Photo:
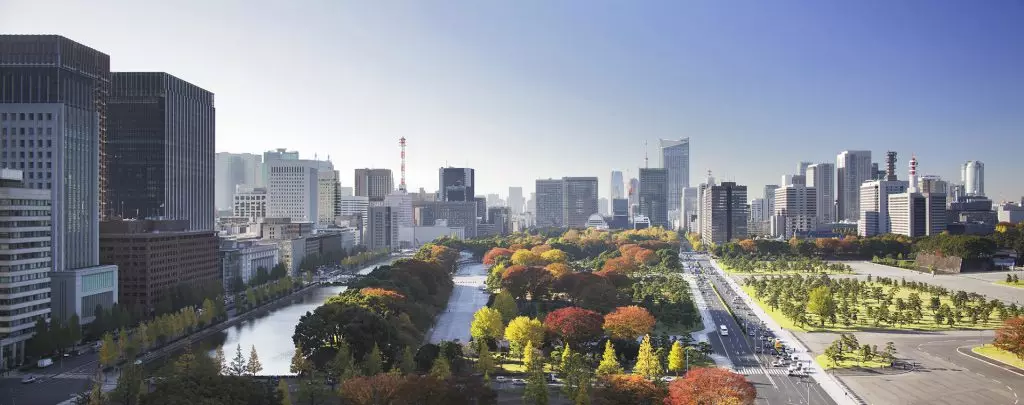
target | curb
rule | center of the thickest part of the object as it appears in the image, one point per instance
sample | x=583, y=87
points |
x=705, y=317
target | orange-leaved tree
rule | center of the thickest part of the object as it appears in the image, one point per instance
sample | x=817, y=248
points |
x=558, y=270
x=623, y=389
x=574, y=325
x=1011, y=336
x=628, y=323
x=710, y=385
x=492, y=255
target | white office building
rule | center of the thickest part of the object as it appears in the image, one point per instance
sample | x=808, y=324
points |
x=232, y=170
x=328, y=196
x=822, y=176
x=250, y=203
x=853, y=168
x=381, y=230
x=401, y=203
x=972, y=173
x=796, y=210
x=293, y=189
x=874, y=206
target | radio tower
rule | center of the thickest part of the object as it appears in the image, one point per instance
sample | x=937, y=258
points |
x=401, y=142
x=646, y=166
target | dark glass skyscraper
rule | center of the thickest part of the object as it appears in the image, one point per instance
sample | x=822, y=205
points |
x=653, y=196
x=161, y=147
x=456, y=184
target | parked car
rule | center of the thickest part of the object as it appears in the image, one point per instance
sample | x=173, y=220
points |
x=42, y=363
x=500, y=378
x=29, y=379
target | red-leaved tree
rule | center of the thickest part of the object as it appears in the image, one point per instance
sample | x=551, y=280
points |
x=624, y=265
x=492, y=255
x=706, y=385
x=628, y=390
x=574, y=325
x=1011, y=336
x=521, y=281
x=628, y=323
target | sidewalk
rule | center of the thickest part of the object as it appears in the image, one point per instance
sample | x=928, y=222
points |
x=705, y=317
x=827, y=382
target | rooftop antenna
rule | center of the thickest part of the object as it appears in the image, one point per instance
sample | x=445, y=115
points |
x=645, y=156
x=401, y=142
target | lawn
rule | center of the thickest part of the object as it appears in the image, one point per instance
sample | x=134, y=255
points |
x=1000, y=355
x=863, y=322
x=849, y=360
x=1015, y=285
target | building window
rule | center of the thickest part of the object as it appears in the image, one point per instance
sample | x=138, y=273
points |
x=3, y=117
x=31, y=116
x=49, y=143
x=31, y=143
x=49, y=116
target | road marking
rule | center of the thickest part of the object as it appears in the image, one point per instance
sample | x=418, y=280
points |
x=986, y=361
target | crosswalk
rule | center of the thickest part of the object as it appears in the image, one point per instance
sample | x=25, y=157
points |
x=758, y=371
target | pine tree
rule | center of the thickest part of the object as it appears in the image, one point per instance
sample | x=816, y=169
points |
x=408, y=363
x=528, y=355
x=342, y=366
x=566, y=354
x=373, y=364
x=441, y=368
x=253, y=367
x=536, y=392
x=485, y=362
x=219, y=361
x=677, y=358
x=609, y=362
x=300, y=365
x=286, y=395
x=237, y=366
x=647, y=363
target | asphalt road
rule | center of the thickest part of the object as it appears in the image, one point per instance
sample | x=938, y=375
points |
x=773, y=384
x=466, y=299
x=56, y=383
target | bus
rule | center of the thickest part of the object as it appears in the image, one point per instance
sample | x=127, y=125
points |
x=722, y=330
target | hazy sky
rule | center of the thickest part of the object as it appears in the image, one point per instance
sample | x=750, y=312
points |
x=521, y=90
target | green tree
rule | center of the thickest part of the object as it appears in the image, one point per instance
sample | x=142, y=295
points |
x=487, y=324
x=373, y=364
x=253, y=367
x=312, y=390
x=129, y=386
x=408, y=363
x=536, y=391
x=300, y=365
x=74, y=329
x=286, y=395
x=237, y=366
x=342, y=366
x=529, y=355
x=521, y=330
x=647, y=363
x=506, y=304
x=677, y=358
x=609, y=361
x=108, y=351
x=218, y=359
x=566, y=354
x=576, y=376
x=832, y=353
x=821, y=303
x=890, y=352
x=865, y=353
x=485, y=362
x=441, y=368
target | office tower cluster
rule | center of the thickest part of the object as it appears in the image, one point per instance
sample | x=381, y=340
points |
x=567, y=202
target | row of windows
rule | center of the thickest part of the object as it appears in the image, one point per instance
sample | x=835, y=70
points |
x=26, y=131
x=27, y=298
x=27, y=288
x=24, y=213
x=31, y=155
x=24, y=201
x=31, y=234
x=21, y=165
x=25, y=277
x=31, y=142
x=26, y=116
x=24, y=245
x=23, y=224
x=24, y=256
x=19, y=322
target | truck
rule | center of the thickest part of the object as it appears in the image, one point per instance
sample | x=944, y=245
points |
x=43, y=363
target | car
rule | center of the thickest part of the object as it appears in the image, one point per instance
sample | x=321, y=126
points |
x=668, y=378
x=29, y=379
x=758, y=349
x=519, y=381
x=796, y=373
x=779, y=363
x=500, y=378
x=750, y=333
x=793, y=367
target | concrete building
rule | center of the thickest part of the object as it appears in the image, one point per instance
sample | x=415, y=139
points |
x=620, y=214
x=160, y=149
x=633, y=197
x=689, y=209
x=653, y=196
x=822, y=176
x=796, y=211
x=972, y=174
x=931, y=184
x=328, y=197
x=549, y=202
x=501, y=218
x=456, y=184
x=284, y=228
x=243, y=258
x=675, y=159
x=801, y=169
x=401, y=203
x=617, y=188
x=481, y=209
x=250, y=203
x=456, y=214
x=579, y=200
x=374, y=184
x=25, y=263
x=232, y=170
x=602, y=206
x=598, y=222
x=516, y=202
x=916, y=214
x=725, y=213
x=353, y=209
x=293, y=189
x=154, y=257
x=853, y=168
x=494, y=200
x=273, y=156
x=1011, y=213
x=419, y=235
x=702, y=190
x=769, y=200
x=381, y=229
x=55, y=137
x=874, y=205
x=348, y=191
x=757, y=220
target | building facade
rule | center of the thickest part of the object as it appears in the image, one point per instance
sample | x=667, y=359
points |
x=874, y=205
x=25, y=263
x=549, y=203
x=58, y=139
x=616, y=189
x=795, y=213
x=675, y=159
x=250, y=203
x=579, y=200
x=160, y=146
x=725, y=213
x=232, y=170
x=374, y=184
x=516, y=202
x=242, y=258
x=456, y=214
x=853, y=168
x=293, y=189
x=916, y=214
x=653, y=196
x=381, y=229
x=972, y=174
x=456, y=184
x=822, y=177
x=400, y=202
x=328, y=196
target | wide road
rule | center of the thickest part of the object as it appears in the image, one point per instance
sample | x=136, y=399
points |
x=773, y=384
x=56, y=383
x=466, y=299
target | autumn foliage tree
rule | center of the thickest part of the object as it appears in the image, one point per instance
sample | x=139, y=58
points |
x=623, y=265
x=1011, y=336
x=525, y=257
x=706, y=385
x=558, y=270
x=628, y=323
x=521, y=281
x=575, y=325
x=521, y=330
x=492, y=256
x=628, y=390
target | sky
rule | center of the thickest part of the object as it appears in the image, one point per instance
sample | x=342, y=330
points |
x=521, y=90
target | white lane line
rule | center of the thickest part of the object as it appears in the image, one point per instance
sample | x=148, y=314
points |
x=993, y=364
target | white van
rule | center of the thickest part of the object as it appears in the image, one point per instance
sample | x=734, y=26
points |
x=722, y=330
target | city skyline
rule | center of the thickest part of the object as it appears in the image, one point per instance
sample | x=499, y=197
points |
x=919, y=85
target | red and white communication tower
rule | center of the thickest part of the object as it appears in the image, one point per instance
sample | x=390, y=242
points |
x=401, y=142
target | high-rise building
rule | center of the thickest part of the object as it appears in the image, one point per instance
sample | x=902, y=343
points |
x=328, y=196
x=53, y=98
x=579, y=200
x=275, y=155
x=756, y=221
x=931, y=184
x=917, y=214
x=874, y=206
x=617, y=185
x=801, y=168
x=232, y=170
x=972, y=174
x=457, y=214
x=795, y=212
x=494, y=200
x=160, y=146
x=349, y=191
x=353, y=210
x=293, y=189
x=853, y=168
x=401, y=206
x=374, y=184
x=689, y=208
x=456, y=184
x=620, y=213
x=516, y=203
x=25, y=249
x=769, y=199
x=653, y=196
x=725, y=213
x=549, y=202
x=822, y=176
x=602, y=207
x=381, y=232
x=531, y=204
x=633, y=197
x=702, y=190
x=675, y=159
x=250, y=202
x=154, y=257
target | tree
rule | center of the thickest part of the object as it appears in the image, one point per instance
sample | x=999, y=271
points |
x=529, y=355
x=576, y=375
x=521, y=330
x=373, y=364
x=129, y=386
x=312, y=390
x=342, y=366
x=628, y=323
x=487, y=324
x=407, y=365
x=558, y=269
x=506, y=305
x=492, y=256
x=536, y=391
x=237, y=366
x=554, y=256
x=300, y=365
x=284, y=391
x=74, y=329
x=525, y=257
x=441, y=368
x=833, y=353
x=609, y=361
x=42, y=342
x=821, y=303
x=253, y=367
x=1010, y=337
x=575, y=325
x=706, y=385
x=677, y=358
x=647, y=363
x=628, y=390
x=521, y=281
x=219, y=360
x=485, y=361
x=108, y=351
